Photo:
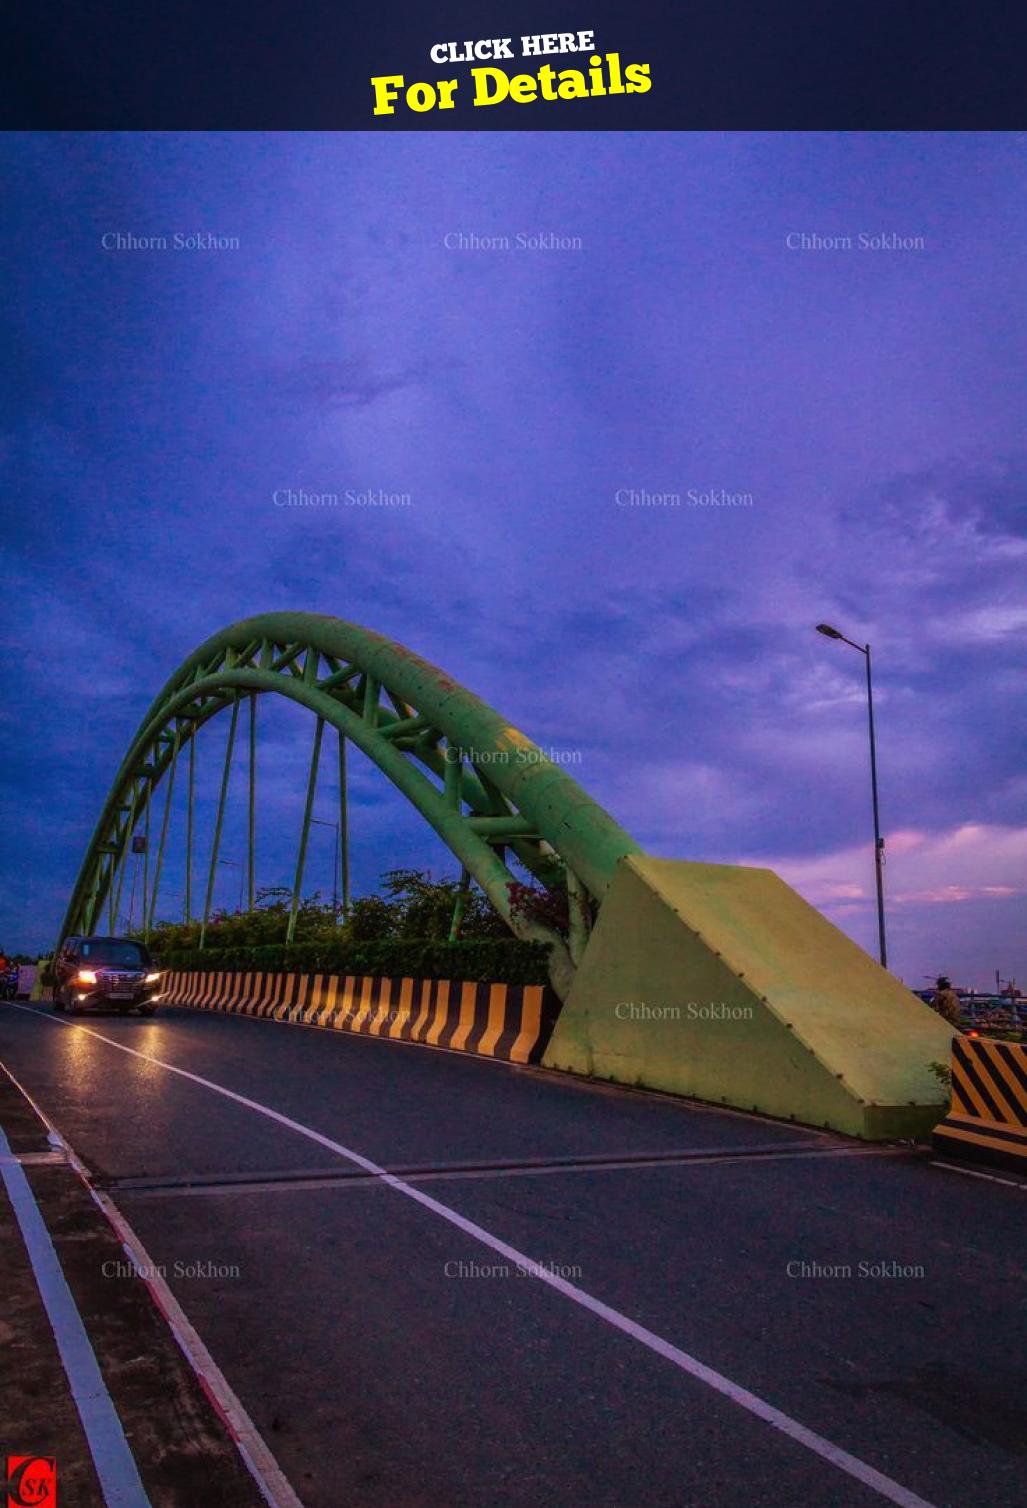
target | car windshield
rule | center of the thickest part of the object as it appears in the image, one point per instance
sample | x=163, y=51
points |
x=112, y=950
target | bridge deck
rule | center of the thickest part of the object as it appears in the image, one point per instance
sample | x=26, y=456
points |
x=386, y=1345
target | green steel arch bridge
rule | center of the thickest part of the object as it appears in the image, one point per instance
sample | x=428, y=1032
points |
x=484, y=787
x=832, y=1038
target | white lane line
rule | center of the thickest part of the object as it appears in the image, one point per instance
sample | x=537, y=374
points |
x=273, y=1485
x=115, y=1465
x=275, y=1488
x=861, y=1471
x=951, y=1167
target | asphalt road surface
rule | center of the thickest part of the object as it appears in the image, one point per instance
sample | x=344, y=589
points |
x=727, y=1312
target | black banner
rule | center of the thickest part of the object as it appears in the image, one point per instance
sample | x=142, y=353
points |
x=704, y=65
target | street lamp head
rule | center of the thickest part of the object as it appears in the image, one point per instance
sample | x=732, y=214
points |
x=828, y=631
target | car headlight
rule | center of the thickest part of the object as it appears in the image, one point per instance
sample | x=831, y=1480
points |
x=85, y=976
x=151, y=978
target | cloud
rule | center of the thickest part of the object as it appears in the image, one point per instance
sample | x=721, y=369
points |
x=971, y=861
x=992, y=621
x=871, y=410
x=979, y=869
x=345, y=384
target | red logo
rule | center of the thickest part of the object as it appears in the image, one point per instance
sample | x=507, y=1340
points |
x=31, y=1482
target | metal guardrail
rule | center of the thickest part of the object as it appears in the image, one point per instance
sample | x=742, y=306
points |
x=993, y=1013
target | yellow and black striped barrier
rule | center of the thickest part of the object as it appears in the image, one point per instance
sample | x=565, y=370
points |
x=509, y=1021
x=987, y=1120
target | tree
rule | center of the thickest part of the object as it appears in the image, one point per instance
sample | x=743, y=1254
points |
x=413, y=905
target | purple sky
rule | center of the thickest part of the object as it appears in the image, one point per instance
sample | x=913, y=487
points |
x=871, y=402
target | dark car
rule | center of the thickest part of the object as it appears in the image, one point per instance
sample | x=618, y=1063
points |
x=94, y=973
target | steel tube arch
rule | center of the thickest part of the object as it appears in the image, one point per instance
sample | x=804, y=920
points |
x=443, y=747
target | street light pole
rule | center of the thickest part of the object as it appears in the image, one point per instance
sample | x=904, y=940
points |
x=878, y=840
x=864, y=650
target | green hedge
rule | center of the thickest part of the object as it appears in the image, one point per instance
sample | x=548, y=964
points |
x=497, y=960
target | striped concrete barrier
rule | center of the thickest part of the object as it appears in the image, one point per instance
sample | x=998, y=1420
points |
x=507, y=1021
x=987, y=1120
